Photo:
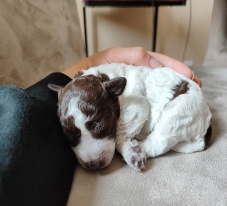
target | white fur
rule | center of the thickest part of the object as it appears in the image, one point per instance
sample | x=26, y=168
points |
x=149, y=116
x=89, y=149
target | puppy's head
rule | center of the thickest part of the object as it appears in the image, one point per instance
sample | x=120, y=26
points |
x=88, y=109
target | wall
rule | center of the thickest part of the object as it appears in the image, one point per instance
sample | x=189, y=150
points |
x=217, y=46
x=126, y=27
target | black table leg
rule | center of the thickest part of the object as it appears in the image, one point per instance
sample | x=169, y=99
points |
x=155, y=24
x=85, y=30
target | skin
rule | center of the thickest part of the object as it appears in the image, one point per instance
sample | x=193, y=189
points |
x=137, y=56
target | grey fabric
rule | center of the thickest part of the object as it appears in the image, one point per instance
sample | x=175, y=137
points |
x=171, y=179
x=216, y=54
x=37, y=38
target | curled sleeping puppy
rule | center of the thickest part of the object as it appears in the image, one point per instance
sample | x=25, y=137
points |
x=141, y=112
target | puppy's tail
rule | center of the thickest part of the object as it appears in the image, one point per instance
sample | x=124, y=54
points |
x=208, y=135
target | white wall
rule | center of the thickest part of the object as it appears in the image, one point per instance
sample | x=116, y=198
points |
x=126, y=27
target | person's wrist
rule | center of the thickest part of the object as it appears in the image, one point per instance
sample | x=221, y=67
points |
x=107, y=56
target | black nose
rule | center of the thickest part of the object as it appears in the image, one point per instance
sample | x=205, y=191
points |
x=93, y=165
x=208, y=135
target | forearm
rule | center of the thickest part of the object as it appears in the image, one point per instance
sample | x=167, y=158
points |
x=92, y=61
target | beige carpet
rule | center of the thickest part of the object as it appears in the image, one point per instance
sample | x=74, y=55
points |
x=171, y=179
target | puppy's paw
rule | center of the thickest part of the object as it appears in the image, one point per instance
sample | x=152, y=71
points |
x=135, y=156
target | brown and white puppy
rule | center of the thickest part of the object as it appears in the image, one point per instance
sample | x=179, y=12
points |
x=88, y=109
x=158, y=110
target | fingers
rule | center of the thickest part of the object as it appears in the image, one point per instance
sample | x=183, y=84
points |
x=176, y=65
x=138, y=56
x=172, y=63
x=198, y=81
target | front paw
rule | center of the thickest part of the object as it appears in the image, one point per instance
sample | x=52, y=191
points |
x=135, y=156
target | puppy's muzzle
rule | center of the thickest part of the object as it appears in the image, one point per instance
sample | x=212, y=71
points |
x=93, y=165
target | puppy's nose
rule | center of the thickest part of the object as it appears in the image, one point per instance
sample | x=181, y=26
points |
x=92, y=165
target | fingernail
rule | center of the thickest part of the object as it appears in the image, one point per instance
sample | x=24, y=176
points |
x=154, y=63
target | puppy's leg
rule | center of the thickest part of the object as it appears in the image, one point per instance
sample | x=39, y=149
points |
x=155, y=145
x=132, y=154
x=134, y=113
x=190, y=147
x=195, y=145
x=161, y=141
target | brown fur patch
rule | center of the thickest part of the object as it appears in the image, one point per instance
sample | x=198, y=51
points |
x=97, y=105
x=179, y=89
x=72, y=133
x=101, y=108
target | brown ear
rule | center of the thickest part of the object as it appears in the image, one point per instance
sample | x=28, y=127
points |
x=56, y=88
x=115, y=86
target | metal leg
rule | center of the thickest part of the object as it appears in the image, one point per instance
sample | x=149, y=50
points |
x=85, y=30
x=155, y=23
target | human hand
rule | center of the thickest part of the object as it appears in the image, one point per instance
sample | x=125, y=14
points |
x=134, y=56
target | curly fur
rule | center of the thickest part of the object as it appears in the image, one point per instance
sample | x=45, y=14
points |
x=160, y=110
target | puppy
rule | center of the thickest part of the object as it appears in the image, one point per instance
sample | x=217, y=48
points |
x=156, y=111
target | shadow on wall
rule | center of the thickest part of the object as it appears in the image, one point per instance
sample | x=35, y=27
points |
x=217, y=46
x=225, y=7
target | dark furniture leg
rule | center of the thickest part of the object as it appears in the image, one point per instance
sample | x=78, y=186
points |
x=85, y=30
x=155, y=23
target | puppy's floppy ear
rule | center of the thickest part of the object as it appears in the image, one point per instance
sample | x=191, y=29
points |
x=56, y=88
x=115, y=86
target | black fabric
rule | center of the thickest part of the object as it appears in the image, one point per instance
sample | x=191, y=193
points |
x=36, y=163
